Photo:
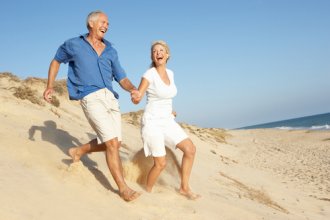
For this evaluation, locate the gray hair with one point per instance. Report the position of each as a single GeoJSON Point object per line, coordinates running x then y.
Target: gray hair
{"type": "Point", "coordinates": [93, 17]}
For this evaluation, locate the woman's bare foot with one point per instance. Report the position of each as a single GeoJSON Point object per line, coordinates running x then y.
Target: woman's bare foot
{"type": "Point", "coordinates": [189, 194]}
{"type": "Point", "coordinates": [148, 189]}
{"type": "Point", "coordinates": [129, 194]}
{"type": "Point", "coordinates": [73, 152]}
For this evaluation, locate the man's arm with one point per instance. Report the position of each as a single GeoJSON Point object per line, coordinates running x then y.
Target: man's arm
{"type": "Point", "coordinates": [127, 85]}
{"type": "Point", "coordinates": [52, 73]}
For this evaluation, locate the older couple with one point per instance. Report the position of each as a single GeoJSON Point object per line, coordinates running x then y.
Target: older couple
{"type": "Point", "coordinates": [93, 64]}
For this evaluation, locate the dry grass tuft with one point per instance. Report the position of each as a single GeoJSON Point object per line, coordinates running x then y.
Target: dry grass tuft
{"type": "Point", "coordinates": [133, 118]}
{"type": "Point", "coordinates": [35, 80]}
{"type": "Point", "coordinates": [25, 92]}
{"type": "Point", "coordinates": [55, 101]}
{"type": "Point", "coordinates": [255, 195]}
{"type": "Point", "coordinates": [217, 134]}
{"type": "Point", "coordinates": [60, 87]}
{"type": "Point", "coordinates": [9, 75]}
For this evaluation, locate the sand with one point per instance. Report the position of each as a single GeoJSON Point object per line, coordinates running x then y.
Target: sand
{"type": "Point", "coordinates": [240, 174]}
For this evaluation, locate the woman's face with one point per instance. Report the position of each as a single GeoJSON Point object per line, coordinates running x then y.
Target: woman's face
{"type": "Point", "coordinates": [159, 55]}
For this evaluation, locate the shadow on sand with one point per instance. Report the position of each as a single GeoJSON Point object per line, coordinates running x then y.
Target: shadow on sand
{"type": "Point", "coordinates": [63, 140]}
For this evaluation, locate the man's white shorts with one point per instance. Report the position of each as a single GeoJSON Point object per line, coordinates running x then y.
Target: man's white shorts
{"type": "Point", "coordinates": [102, 111]}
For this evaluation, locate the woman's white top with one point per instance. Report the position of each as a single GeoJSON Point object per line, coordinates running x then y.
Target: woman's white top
{"type": "Point", "coordinates": [159, 95]}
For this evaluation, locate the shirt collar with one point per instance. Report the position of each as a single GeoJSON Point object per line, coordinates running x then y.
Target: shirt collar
{"type": "Point", "coordinates": [107, 43]}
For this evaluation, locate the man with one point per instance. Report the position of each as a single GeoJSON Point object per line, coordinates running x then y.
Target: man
{"type": "Point", "coordinates": [93, 64]}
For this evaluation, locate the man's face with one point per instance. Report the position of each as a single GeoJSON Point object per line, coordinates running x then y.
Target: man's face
{"type": "Point", "coordinates": [100, 26]}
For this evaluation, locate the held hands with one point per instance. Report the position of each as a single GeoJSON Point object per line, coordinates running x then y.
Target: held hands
{"type": "Point", "coordinates": [174, 113]}
{"type": "Point", "coordinates": [136, 96]}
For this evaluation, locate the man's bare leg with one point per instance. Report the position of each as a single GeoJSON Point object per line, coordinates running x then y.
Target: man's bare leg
{"type": "Point", "coordinates": [116, 170]}
{"type": "Point", "coordinates": [111, 148]}
{"type": "Point", "coordinates": [189, 151]}
{"type": "Point", "coordinates": [77, 152]}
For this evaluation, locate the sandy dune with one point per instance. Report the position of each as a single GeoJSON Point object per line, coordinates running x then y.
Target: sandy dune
{"type": "Point", "coordinates": [241, 174]}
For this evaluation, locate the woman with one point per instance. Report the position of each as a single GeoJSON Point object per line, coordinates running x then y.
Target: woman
{"type": "Point", "coordinates": [158, 125]}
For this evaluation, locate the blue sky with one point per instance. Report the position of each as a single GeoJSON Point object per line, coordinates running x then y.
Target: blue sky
{"type": "Point", "coordinates": [236, 62]}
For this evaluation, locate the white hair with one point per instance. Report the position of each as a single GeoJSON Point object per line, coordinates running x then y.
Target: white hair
{"type": "Point", "coordinates": [92, 17]}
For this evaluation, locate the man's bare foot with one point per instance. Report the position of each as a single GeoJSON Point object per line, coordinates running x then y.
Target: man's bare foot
{"type": "Point", "coordinates": [189, 195]}
{"type": "Point", "coordinates": [73, 152]}
{"type": "Point", "coordinates": [129, 194]}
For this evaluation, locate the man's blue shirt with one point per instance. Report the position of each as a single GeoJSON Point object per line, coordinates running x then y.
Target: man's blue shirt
{"type": "Point", "coordinates": [87, 71]}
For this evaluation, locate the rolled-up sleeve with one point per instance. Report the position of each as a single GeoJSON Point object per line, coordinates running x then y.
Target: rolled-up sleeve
{"type": "Point", "coordinates": [118, 72]}
{"type": "Point", "coordinates": [64, 53]}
